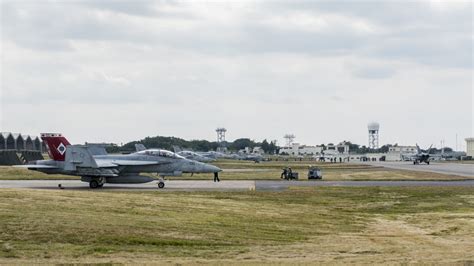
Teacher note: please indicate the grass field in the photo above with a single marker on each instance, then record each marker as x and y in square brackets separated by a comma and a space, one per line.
[334, 224]
[245, 170]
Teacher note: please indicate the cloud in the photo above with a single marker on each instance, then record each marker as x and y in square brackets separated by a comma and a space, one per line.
[412, 31]
[373, 71]
[255, 67]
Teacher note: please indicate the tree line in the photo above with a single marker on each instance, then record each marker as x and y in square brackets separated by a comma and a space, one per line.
[167, 143]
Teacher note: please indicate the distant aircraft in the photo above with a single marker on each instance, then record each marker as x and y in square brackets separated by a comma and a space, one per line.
[453, 155]
[194, 156]
[214, 155]
[420, 156]
[78, 160]
[252, 157]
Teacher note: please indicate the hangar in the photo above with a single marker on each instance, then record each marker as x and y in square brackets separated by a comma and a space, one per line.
[16, 148]
[17, 141]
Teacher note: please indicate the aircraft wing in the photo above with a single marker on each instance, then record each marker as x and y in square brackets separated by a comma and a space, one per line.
[36, 166]
[115, 163]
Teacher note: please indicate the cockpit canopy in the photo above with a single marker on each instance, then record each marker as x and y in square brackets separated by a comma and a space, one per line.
[160, 153]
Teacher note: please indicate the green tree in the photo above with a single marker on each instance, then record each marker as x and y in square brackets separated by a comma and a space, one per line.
[265, 146]
[239, 144]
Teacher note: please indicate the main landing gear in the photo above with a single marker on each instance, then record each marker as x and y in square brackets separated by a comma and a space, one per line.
[94, 182]
[161, 182]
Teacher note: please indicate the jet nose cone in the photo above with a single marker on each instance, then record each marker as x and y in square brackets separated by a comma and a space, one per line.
[212, 169]
[216, 169]
[199, 167]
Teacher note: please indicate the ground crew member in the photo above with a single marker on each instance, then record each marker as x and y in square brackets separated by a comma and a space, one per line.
[284, 174]
[216, 177]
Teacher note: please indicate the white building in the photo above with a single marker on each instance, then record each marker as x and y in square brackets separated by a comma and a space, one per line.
[296, 149]
[397, 153]
[254, 150]
[343, 147]
[470, 147]
[402, 149]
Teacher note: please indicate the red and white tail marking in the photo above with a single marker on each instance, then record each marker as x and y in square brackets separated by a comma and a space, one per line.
[56, 144]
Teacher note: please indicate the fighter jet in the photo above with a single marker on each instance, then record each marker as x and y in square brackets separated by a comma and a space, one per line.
[194, 156]
[420, 156]
[203, 155]
[78, 160]
[252, 157]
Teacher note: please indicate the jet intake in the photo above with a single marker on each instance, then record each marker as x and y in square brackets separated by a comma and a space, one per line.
[175, 173]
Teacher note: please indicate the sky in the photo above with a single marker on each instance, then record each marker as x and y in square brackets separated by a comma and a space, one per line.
[117, 71]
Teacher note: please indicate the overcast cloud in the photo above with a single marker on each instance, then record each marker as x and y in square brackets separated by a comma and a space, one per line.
[117, 71]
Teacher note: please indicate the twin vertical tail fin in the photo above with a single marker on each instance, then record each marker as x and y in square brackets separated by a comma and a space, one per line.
[57, 145]
[140, 147]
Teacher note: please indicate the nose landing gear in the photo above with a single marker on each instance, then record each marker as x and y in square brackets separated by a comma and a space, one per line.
[161, 182]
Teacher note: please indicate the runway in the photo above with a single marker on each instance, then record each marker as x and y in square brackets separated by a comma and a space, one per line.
[185, 185]
[434, 167]
[204, 185]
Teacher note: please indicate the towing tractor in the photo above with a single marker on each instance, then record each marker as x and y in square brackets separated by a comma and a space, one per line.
[314, 173]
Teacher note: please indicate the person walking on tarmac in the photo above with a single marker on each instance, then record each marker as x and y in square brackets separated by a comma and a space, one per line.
[284, 174]
[290, 174]
[216, 177]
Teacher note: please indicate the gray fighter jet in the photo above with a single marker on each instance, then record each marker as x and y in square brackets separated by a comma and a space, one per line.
[420, 156]
[78, 160]
[191, 155]
[194, 156]
[253, 157]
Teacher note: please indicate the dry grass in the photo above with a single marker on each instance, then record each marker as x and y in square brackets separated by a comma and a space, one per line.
[310, 225]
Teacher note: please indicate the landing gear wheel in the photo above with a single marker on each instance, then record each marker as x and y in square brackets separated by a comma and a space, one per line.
[161, 184]
[428, 163]
[93, 184]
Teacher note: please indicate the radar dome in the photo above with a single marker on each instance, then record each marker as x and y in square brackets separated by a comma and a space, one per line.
[373, 126]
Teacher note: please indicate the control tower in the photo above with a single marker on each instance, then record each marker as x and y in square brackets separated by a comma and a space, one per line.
[221, 139]
[373, 128]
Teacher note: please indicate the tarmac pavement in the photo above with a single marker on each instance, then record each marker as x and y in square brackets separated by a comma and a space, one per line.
[434, 167]
[234, 185]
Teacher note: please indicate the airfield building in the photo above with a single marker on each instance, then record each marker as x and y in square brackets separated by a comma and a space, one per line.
[254, 150]
[398, 153]
[296, 149]
[470, 147]
[343, 147]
